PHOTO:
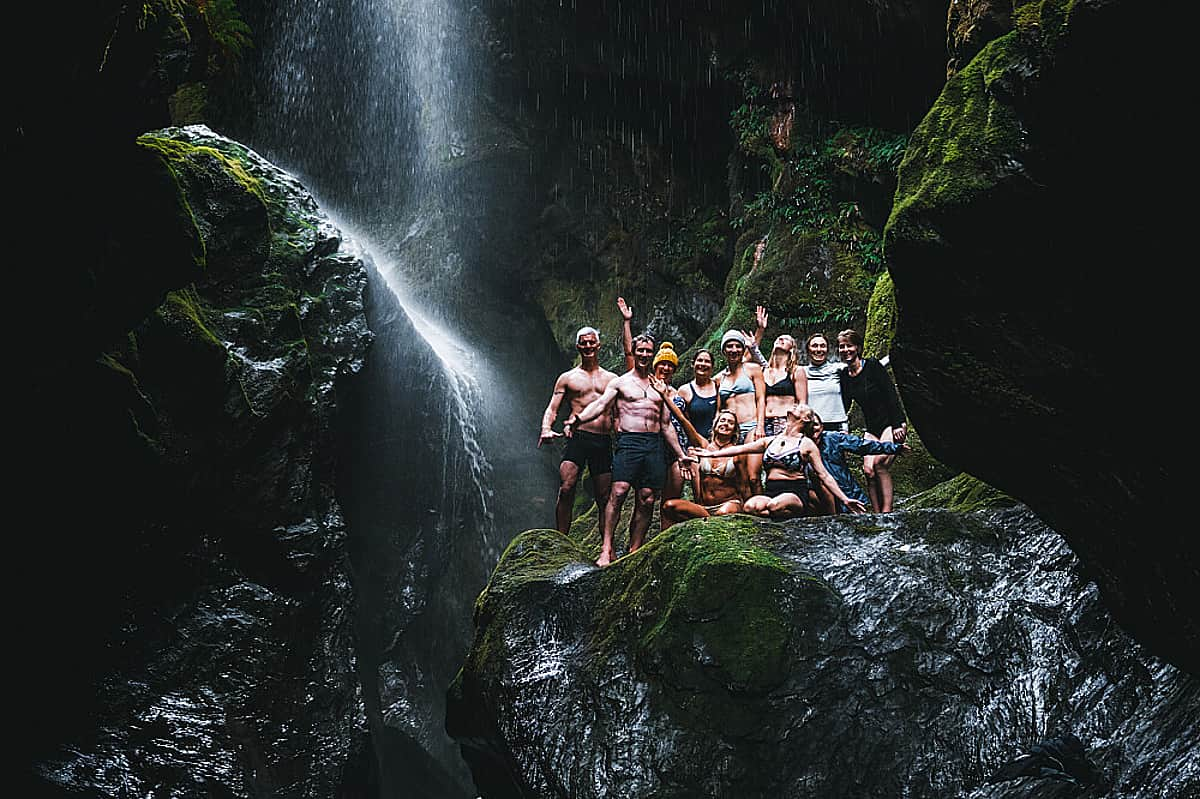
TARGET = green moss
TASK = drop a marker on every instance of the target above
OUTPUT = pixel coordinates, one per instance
(706, 587)
(961, 494)
(881, 318)
(532, 557)
(174, 152)
(189, 104)
(963, 146)
(184, 311)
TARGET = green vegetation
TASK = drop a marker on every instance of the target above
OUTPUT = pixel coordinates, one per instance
(706, 604)
(229, 31)
(962, 494)
(962, 148)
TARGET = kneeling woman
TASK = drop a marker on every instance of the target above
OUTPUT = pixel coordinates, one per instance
(720, 484)
(785, 456)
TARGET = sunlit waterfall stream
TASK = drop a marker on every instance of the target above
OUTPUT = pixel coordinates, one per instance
(369, 103)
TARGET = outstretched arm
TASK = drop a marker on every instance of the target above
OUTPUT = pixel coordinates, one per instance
(669, 394)
(748, 448)
(551, 413)
(668, 432)
(818, 468)
(626, 331)
(596, 407)
(866, 446)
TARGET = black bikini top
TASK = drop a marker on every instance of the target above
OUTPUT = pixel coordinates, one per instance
(784, 388)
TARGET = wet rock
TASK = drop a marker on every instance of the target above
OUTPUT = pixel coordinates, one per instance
(196, 634)
(906, 654)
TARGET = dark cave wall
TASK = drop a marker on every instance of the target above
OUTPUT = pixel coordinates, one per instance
(1025, 225)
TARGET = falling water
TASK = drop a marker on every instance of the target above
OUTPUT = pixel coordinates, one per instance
(370, 103)
(370, 106)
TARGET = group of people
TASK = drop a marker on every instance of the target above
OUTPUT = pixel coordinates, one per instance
(765, 435)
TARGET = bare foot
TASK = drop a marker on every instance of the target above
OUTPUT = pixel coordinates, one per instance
(604, 559)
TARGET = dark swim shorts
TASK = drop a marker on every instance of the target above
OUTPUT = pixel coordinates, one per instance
(774, 488)
(593, 450)
(640, 460)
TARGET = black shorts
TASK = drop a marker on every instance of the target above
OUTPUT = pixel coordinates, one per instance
(776, 487)
(593, 450)
(639, 460)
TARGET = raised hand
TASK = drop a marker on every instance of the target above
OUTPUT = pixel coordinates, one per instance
(660, 385)
(760, 316)
(626, 311)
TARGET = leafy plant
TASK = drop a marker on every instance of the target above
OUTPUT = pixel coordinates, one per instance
(229, 31)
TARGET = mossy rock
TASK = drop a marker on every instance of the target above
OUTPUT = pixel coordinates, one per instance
(706, 606)
(881, 318)
(962, 494)
(723, 588)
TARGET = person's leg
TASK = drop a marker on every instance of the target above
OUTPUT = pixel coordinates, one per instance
(642, 511)
(883, 474)
(786, 506)
(753, 460)
(672, 489)
(754, 467)
(675, 511)
(869, 462)
(568, 478)
(616, 498)
(601, 488)
(726, 508)
(757, 505)
(821, 500)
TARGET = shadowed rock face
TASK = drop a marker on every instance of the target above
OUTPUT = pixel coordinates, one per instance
(911, 654)
(1024, 249)
(190, 622)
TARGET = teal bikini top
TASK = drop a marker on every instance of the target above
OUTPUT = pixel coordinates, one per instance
(742, 385)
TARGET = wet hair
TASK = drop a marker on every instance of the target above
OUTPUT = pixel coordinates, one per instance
(801, 410)
(642, 337)
(583, 331)
(793, 355)
(808, 341)
(734, 435)
(855, 338)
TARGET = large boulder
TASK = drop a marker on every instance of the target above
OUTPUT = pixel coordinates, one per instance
(911, 654)
(1023, 242)
(190, 625)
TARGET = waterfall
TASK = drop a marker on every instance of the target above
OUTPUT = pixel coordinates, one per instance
(371, 104)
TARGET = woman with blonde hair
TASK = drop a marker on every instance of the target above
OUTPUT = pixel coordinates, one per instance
(719, 484)
(785, 383)
(788, 458)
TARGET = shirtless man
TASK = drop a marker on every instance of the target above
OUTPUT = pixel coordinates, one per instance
(643, 424)
(590, 444)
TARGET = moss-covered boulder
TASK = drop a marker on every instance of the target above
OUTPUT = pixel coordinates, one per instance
(891, 655)
(1025, 214)
(197, 630)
